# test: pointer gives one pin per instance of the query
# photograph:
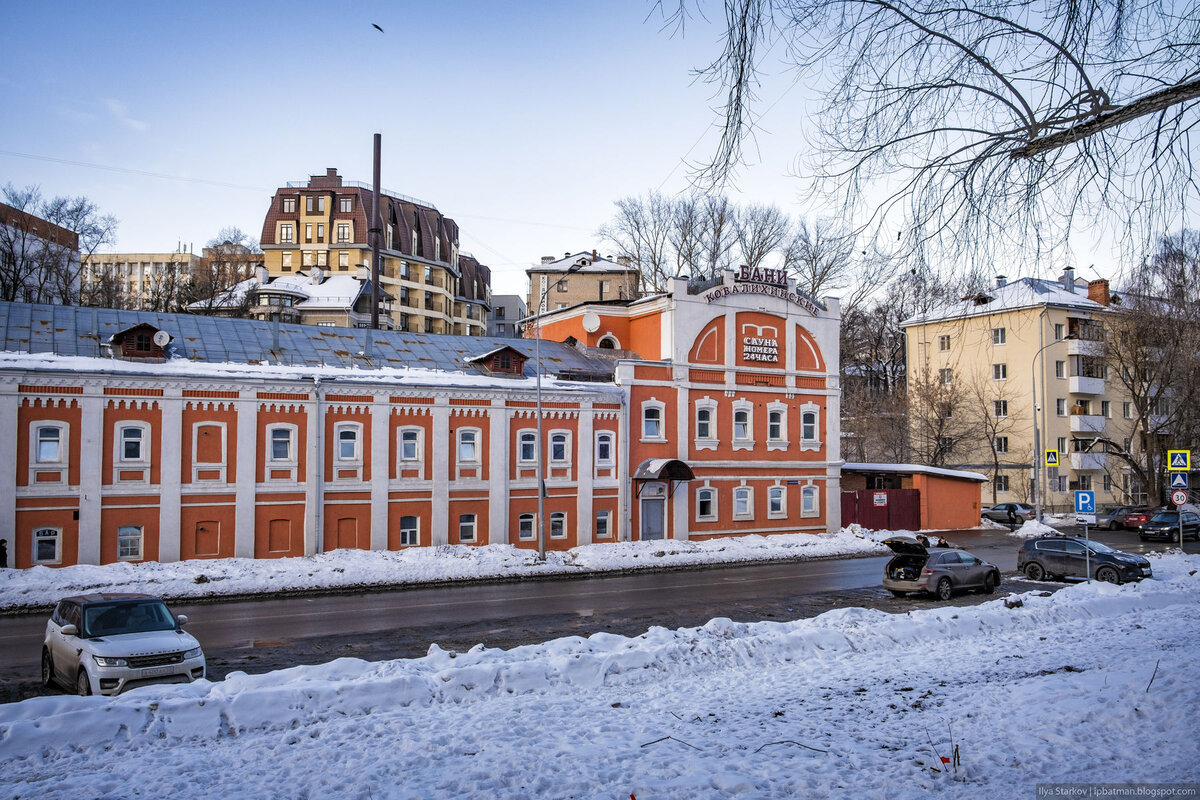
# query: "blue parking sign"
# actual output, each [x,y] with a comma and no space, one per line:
[1085,502]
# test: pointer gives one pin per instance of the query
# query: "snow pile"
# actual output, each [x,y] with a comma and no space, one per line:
[823,707]
[1032,529]
[42,586]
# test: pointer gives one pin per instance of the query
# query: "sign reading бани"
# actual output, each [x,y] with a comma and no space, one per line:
[771,282]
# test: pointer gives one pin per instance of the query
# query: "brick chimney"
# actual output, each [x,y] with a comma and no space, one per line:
[1098,292]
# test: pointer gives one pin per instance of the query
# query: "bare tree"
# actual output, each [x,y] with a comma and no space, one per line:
[980,125]
[762,231]
[941,422]
[37,263]
[1151,347]
[641,230]
[996,409]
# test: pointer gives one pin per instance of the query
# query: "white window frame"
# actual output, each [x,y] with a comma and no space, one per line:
[565,458]
[415,530]
[1060,370]
[661,408]
[1060,406]
[813,443]
[527,436]
[603,524]
[945,376]
[272,459]
[810,501]
[711,441]
[1000,372]
[418,446]
[999,336]
[743,495]
[522,536]
[780,440]
[558,519]
[468,524]
[35,456]
[944,343]
[709,493]
[57,537]
[1000,444]
[609,438]
[131,534]
[777,496]
[746,441]
[143,439]
[341,458]
[1001,482]
[1000,409]
[460,438]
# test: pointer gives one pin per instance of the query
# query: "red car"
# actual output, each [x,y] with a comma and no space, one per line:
[1135,519]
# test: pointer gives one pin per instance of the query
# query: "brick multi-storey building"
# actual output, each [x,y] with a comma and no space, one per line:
[324,223]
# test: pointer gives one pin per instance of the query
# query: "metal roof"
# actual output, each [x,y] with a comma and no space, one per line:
[86,332]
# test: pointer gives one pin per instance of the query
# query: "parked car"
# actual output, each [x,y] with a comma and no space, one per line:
[1165,525]
[916,568]
[110,643]
[1060,556]
[999,513]
[1113,517]
[1137,518]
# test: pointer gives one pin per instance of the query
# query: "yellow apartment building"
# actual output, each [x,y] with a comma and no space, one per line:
[1003,376]
[324,223]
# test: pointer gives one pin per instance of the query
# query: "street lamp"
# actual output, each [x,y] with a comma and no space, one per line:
[537,356]
[1037,445]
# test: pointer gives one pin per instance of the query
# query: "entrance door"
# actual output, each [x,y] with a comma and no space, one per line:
[654,508]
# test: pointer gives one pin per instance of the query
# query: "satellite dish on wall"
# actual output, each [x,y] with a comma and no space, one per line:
[591,322]
[161,338]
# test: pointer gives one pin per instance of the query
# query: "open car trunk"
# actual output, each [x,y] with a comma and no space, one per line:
[909,560]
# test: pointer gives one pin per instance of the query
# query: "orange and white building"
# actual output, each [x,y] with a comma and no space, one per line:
[138,436]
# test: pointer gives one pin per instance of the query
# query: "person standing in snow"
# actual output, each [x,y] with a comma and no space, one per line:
[1012,519]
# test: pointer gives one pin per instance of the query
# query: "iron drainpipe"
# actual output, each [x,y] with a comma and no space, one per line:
[319,467]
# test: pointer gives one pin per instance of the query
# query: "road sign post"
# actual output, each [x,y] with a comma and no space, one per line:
[1085,513]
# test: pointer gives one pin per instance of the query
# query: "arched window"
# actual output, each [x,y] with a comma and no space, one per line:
[706,504]
[527,447]
[743,503]
[525,527]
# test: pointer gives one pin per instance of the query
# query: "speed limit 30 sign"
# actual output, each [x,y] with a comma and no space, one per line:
[1179,497]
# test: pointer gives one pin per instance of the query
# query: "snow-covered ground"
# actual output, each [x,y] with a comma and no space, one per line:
[1092,683]
[43,586]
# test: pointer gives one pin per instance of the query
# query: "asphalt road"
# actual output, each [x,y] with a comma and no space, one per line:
[262,635]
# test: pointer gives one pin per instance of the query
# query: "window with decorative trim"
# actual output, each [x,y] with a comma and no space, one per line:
[706,504]
[468,446]
[777,502]
[283,444]
[743,425]
[558,525]
[810,427]
[349,442]
[133,445]
[49,444]
[560,447]
[410,449]
[525,527]
[47,545]
[653,429]
[706,424]
[743,502]
[527,448]
[777,426]
[605,449]
[809,502]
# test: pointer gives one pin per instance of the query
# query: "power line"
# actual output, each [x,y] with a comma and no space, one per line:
[129,171]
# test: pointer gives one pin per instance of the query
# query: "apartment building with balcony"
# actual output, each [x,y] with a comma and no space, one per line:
[1018,370]
[323,223]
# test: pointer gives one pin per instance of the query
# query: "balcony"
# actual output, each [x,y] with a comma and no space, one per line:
[1082,385]
[1087,462]
[1087,423]
[1093,348]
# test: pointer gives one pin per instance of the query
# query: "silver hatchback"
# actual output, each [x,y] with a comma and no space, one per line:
[937,571]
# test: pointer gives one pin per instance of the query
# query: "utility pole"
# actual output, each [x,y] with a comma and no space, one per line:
[375,230]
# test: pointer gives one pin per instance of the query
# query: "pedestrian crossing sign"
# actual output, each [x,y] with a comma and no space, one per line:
[1179,460]
[1051,458]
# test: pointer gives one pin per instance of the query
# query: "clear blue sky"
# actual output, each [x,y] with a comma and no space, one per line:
[522,121]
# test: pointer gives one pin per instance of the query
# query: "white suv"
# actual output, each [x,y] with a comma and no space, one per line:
[110,643]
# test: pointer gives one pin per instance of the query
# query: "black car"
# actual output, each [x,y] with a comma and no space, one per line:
[1060,556]
[1165,525]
